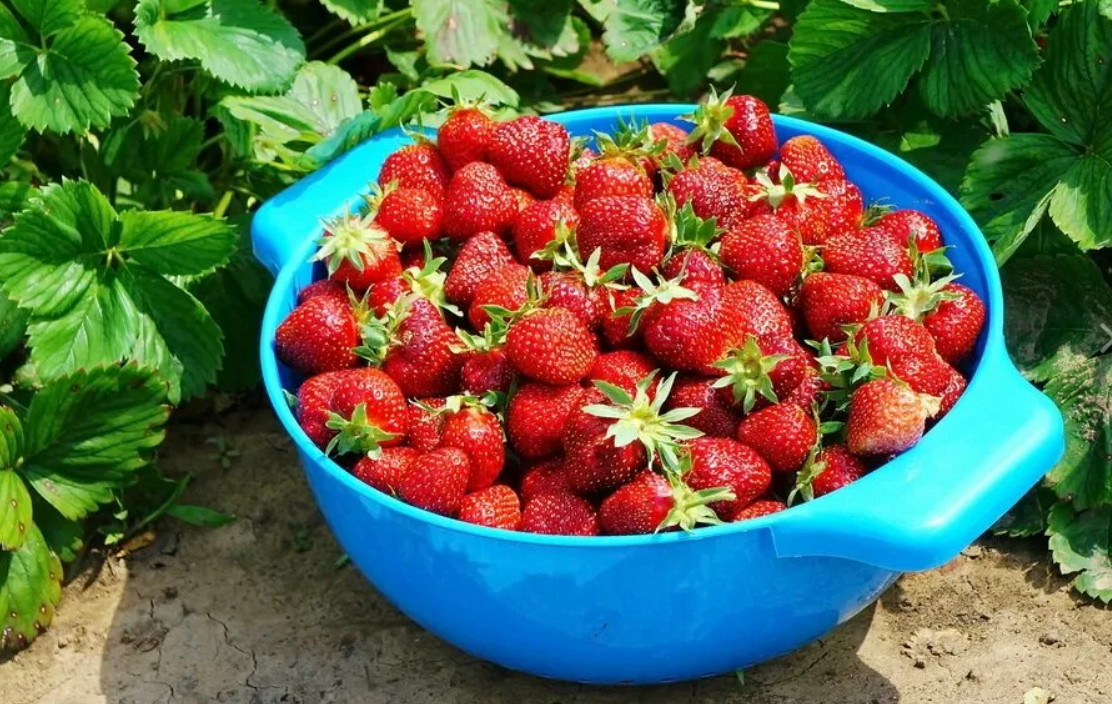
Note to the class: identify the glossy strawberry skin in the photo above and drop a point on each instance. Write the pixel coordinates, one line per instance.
(416, 166)
(614, 327)
(818, 220)
(830, 301)
(385, 473)
(722, 462)
(870, 254)
(559, 513)
(381, 398)
(505, 287)
(477, 432)
(425, 428)
(384, 293)
(535, 227)
(955, 387)
(465, 136)
(956, 324)
(696, 266)
(544, 478)
(314, 403)
(565, 289)
(809, 160)
(622, 368)
(494, 507)
(437, 481)
(324, 287)
(717, 417)
(424, 363)
(318, 336)
(638, 507)
(532, 153)
(611, 176)
(675, 140)
(930, 375)
(627, 229)
(758, 310)
(905, 225)
(885, 417)
(478, 200)
(411, 215)
(479, 256)
(551, 345)
(536, 417)
(714, 191)
(842, 469)
(592, 462)
(766, 250)
(487, 371)
(764, 507)
(751, 126)
(893, 336)
(782, 434)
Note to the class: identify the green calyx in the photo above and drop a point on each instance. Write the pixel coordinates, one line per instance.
(710, 122)
(631, 139)
(921, 295)
(356, 434)
(747, 374)
(805, 479)
(534, 300)
(428, 281)
(639, 418)
(777, 193)
(379, 333)
(687, 228)
(491, 338)
(350, 238)
(663, 291)
(691, 508)
(845, 369)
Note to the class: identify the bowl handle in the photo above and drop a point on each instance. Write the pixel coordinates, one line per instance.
(930, 503)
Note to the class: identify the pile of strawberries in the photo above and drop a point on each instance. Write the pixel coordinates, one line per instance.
(673, 328)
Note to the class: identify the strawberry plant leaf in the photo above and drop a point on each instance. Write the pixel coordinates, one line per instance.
(160, 162)
(1105, 7)
(765, 74)
(637, 27)
(30, 588)
(462, 32)
(12, 130)
(474, 85)
(175, 243)
(1081, 387)
(88, 432)
(1028, 517)
(244, 43)
(1039, 11)
(365, 125)
(200, 516)
(63, 536)
(737, 21)
(49, 17)
(544, 21)
(892, 5)
(13, 325)
(687, 57)
(354, 11)
(14, 497)
(1081, 543)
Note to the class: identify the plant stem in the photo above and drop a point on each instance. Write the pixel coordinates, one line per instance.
(364, 42)
(356, 31)
(765, 4)
(327, 29)
(222, 206)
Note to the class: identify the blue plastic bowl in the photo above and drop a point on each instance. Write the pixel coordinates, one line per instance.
(670, 607)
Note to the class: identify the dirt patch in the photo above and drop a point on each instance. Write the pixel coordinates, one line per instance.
(260, 612)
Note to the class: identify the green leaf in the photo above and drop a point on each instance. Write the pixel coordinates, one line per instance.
(1081, 387)
(544, 21)
(939, 147)
(84, 77)
(1105, 7)
(354, 11)
(365, 125)
(63, 536)
(1039, 11)
(88, 432)
(892, 5)
(1081, 544)
(737, 21)
(1081, 204)
(14, 196)
(1054, 308)
(12, 131)
(48, 17)
(637, 27)
(160, 162)
(766, 72)
(175, 243)
(13, 325)
(242, 42)
(199, 516)
(30, 588)
(474, 85)
(462, 32)
(1028, 517)
(16, 500)
(688, 56)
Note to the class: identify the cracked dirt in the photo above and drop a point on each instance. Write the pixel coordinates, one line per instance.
(259, 612)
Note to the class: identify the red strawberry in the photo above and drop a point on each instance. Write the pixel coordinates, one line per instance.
(424, 363)
(494, 507)
(627, 229)
(925, 373)
(757, 509)
(651, 502)
(488, 370)
(675, 143)
(835, 209)
(532, 153)
(385, 472)
(956, 323)
(809, 160)
(623, 368)
(830, 301)
(358, 253)
(551, 345)
(715, 418)
(477, 432)
(544, 478)
(692, 266)
(722, 462)
(714, 191)
(369, 411)
(759, 310)
(410, 215)
(416, 166)
(593, 463)
(505, 287)
(757, 372)
(950, 395)
(580, 162)
(559, 513)
(782, 433)
(537, 414)
(314, 404)
(436, 481)
(565, 289)
(806, 393)
(425, 426)
(477, 258)
(886, 417)
(523, 198)
(892, 336)
(738, 129)
(385, 293)
(840, 468)
(615, 327)
(324, 287)
(537, 225)
(903, 225)
(868, 253)
(478, 200)
(464, 136)
(764, 249)
(319, 336)
(615, 175)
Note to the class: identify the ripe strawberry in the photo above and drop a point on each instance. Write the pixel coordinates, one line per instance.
(505, 286)
(385, 293)
(559, 513)
(424, 363)
(494, 507)
(810, 161)
(715, 418)
(782, 433)
(722, 462)
(324, 287)
(593, 463)
(956, 323)
(764, 507)
(358, 253)
(693, 332)
(579, 162)
(627, 229)
(436, 481)
(757, 373)
(478, 200)
(537, 414)
(868, 253)
(551, 345)
(477, 258)
(615, 327)
(477, 432)
(925, 373)
(385, 472)
(834, 208)
(615, 175)
(314, 404)
(523, 199)
(622, 368)
(886, 417)
(426, 426)
(830, 301)
(738, 130)
(840, 468)
(465, 135)
(692, 266)
(759, 311)
(806, 393)
(675, 143)
(368, 411)
(892, 336)
(416, 166)
(537, 226)
(565, 289)
(319, 336)
(903, 225)
(410, 215)
(532, 153)
(651, 502)
(950, 395)
(714, 190)
(487, 371)
(544, 478)
(766, 250)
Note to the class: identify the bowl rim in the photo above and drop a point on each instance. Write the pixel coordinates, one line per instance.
(311, 454)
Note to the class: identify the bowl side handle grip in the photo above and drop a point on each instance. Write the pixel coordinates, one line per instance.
(927, 505)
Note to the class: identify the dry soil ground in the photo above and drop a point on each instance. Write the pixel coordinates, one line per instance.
(258, 612)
